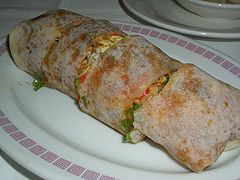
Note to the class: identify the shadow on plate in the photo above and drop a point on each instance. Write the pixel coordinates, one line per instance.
(26, 173)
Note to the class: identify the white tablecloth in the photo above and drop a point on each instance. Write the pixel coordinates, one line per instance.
(14, 11)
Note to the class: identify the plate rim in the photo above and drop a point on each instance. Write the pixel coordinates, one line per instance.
(173, 26)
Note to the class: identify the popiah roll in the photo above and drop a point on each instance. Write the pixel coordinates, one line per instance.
(193, 117)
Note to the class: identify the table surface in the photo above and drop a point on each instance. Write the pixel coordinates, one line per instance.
(14, 11)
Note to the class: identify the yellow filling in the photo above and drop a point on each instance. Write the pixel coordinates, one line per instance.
(93, 53)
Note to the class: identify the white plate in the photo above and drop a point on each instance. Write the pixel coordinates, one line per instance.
(171, 15)
(45, 131)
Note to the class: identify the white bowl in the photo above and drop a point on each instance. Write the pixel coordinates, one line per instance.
(212, 9)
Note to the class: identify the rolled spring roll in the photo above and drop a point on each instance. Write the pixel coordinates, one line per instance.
(77, 50)
(84, 59)
(129, 84)
(193, 117)
(118, 84)
(31, 40)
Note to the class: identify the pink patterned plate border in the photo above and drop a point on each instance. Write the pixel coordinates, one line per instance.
(170, 15)
(72, 168)
(39, 150)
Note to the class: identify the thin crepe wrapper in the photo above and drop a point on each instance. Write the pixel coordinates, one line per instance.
(193, 117)
(62, 65)
(122, 74)
(31, 40)
(56, 43)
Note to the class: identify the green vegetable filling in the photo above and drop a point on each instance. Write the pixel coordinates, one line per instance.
(127, 124)
(38, 81)
(84, 100)
(77, 83)
(127, 137)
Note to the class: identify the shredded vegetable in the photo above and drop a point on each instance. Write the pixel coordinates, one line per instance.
(38, 81)
(127, 124)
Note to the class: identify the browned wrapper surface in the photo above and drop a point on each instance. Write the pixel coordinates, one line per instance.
(190, 113)
(193, 117)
